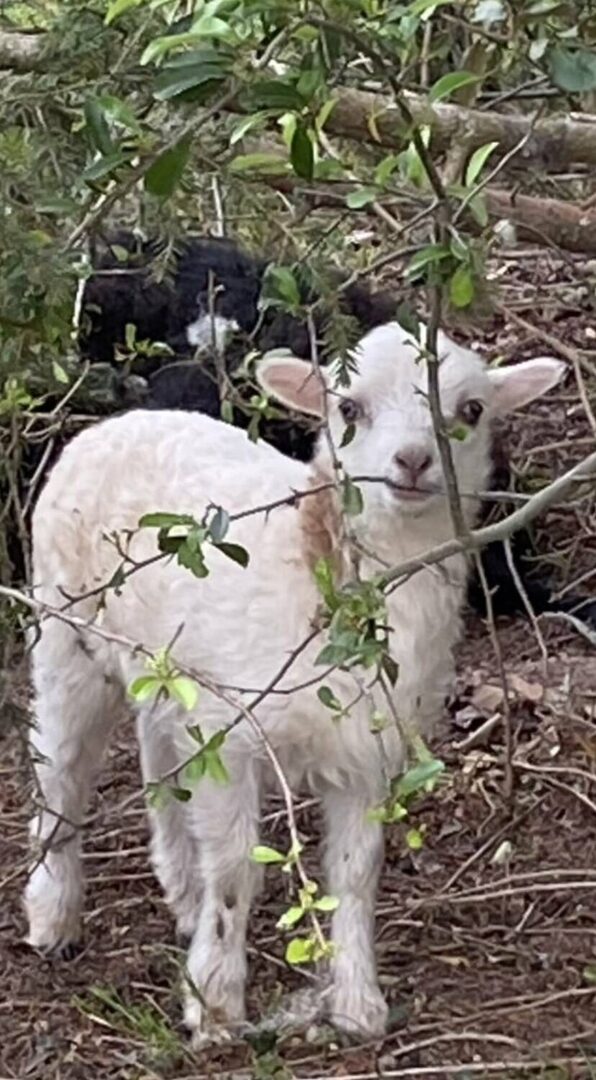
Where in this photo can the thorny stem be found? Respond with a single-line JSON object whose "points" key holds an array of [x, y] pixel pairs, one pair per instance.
{"points": [[442, 214], [507, 732], [433, 362], [499, 530], [346, 541], [475, 539], [519, 585]]}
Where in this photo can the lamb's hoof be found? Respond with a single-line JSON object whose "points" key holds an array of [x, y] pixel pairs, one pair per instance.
{"points": [[62, 950], [359, 1011], [212, 1036], [213, 1026]]}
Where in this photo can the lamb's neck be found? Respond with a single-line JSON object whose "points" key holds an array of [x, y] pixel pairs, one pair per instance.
{"points": [[395, 537]]}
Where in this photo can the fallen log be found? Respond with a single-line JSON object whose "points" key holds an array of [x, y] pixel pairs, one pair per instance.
{"points": [[553, 141], [370, 117], [544, 221], [550, 221], [21, 51]]}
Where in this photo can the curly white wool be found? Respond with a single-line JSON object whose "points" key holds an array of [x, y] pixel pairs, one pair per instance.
{"points": [[239, 626]]}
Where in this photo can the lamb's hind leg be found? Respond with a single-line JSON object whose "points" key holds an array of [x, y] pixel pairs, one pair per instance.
{"points": [[75, 710], [226, 822], [353, 856], [174, 850]]}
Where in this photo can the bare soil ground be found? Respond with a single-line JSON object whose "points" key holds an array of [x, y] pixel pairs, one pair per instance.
{"points": [[486, 937]]}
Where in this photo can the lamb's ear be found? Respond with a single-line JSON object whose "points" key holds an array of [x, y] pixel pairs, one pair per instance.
{"points": [[293, 382], [519, 384]]}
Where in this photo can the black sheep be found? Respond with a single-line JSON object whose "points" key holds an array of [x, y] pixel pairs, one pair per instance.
{"points": [[214, 284]]}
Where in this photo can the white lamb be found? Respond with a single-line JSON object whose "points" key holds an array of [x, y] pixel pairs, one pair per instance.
{"points": [[238, 626]]}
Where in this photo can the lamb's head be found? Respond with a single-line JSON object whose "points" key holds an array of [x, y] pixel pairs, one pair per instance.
{"points": [[387, 405]]}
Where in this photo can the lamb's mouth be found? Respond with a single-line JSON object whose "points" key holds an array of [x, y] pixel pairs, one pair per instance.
{"points": [[409, 494]]}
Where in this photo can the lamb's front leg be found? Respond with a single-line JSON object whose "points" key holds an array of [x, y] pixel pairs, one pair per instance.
{"points": [[225, 821], [354, 853]]}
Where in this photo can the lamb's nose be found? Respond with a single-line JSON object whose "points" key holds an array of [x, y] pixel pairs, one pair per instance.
{"points": [[414, 460]]}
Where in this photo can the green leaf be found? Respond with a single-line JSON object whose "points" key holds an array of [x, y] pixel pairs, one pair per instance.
{"points": [[461, 287], [426, 8], [163, 177], [332, 655], [143, 688], [328, 698], [408, 319], [209, 26], [130, 333], [195, 733], [478, 161], [327, 903], [573, 70], [166, 43], [181, 794], [118, 7], [363, 196], [157, 794], [264, 164], [280, 284], [433, 253], [59, 373], [234, 552], [187, 83], [219, 525], [459, 432], [459, 249], [192, 559], [248, 123], [299, 951], [385, 168], [263, 854], [227, 412], [275, 94], [309, 82], [302, 153], [348, 435], [420, 777], [477, 207], [164, 520], [194, 770], [415, 839], [105, 166], [378, 722], [98, 128], [324, 113], [215, 767], [185, 691], [448, 84], [351, 498], [411, 162], [119, 112], [216, 741], [290, 918]]}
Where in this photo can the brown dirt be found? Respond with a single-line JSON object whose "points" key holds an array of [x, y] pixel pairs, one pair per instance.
{"points": [[486, 937]]}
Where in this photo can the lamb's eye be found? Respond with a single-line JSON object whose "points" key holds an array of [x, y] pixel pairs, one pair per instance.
{"points": [[471, 411], [351, 410]]}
